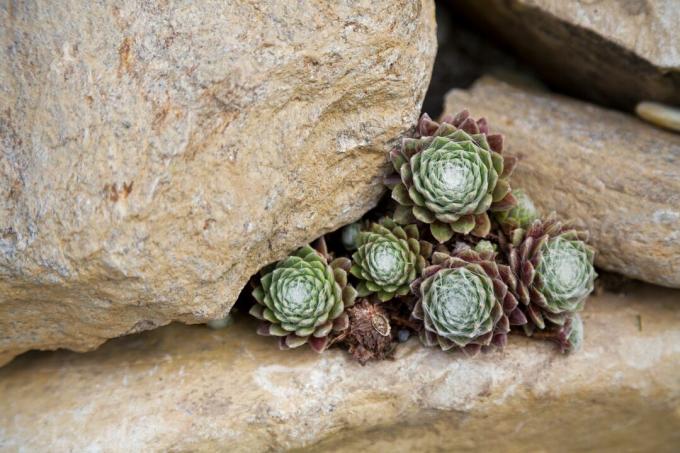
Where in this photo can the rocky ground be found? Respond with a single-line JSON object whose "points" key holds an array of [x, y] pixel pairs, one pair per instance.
{"points": [[178, 151], [190, 388], [153, 156]]}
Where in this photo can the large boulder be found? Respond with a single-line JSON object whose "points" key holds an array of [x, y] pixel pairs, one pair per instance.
{"points": [[611, 51], [611, 172], [155, 155], [187, 388]]}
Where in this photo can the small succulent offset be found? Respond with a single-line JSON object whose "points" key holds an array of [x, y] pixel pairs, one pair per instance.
{"points": [[554, 266], [465, 301], [569, 337], [388, 259], [303, 298], [519, 216], [450, 175]]}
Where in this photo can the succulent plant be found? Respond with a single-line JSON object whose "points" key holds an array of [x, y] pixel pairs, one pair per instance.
{"points": [[554, 266], [388, 258], [465, 301], [570, 335], [450, 175], [349, 236], [303, 298], [486, 247], [519, 216]]}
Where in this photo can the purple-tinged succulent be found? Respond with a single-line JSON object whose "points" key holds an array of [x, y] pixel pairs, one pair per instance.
{"points": [[450, 176], [554, 269], [465, 301]]}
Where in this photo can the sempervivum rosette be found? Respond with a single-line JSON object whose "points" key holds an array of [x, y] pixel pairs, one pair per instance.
{"points": [[554, 266], [450, 175], [465, 301], [303, 298], [520, 216], [388, 259]]}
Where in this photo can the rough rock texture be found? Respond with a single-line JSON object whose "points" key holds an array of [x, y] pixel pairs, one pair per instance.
{"points": [[615, 174], [189, 388], [617, 52], [155, 154]]}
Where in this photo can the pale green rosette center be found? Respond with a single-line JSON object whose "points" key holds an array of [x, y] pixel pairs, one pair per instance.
{"points": [[301, 296], [458, 304], [388, 262], [451, 176], [566, 273]]}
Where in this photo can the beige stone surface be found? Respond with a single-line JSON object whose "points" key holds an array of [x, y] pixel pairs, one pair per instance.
{"points": [[613, 173], [154, 155], [615, 51], [190, 388]]}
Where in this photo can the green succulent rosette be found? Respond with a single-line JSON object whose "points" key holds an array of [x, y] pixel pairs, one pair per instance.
{"points": [[465, 301], [521, 215], [451, 176], [388, 258], [554, 266], [303, 298]]}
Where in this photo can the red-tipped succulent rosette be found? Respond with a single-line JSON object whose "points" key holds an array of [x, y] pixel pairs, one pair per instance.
{"points": [[450, 176]]}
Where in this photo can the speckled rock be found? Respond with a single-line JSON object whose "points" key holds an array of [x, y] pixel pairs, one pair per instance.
{"points": [[616, 52], [154, 155], [611, 172], [190, 388]]}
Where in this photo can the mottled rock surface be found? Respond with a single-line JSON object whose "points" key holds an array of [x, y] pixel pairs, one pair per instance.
{"points": [[616, 52], [189, 388], [154, 155], [612, 172]]}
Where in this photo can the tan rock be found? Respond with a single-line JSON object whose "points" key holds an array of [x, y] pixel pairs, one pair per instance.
{"points": [[611, 51], [190, 388], [616, 175], [155, 155]]}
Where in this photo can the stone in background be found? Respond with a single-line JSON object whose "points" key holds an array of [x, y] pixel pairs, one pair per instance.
{"points": [[613, 173], [189, 388], [154, 155], [612, 52], [463, 55]]}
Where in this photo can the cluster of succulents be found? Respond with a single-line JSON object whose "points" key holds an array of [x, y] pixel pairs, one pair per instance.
{"points": [[459, 258]]}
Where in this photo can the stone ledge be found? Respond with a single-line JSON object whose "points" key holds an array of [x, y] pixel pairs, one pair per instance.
{"points": [[191, 388]]}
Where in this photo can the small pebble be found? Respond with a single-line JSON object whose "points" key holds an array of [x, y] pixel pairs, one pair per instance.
{"points": [[403, 335], [659, 115]]}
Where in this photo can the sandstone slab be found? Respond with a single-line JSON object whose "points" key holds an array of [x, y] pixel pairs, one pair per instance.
{"points": [[613, 173], [614, 52], [154, 155], [190, 388]]}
